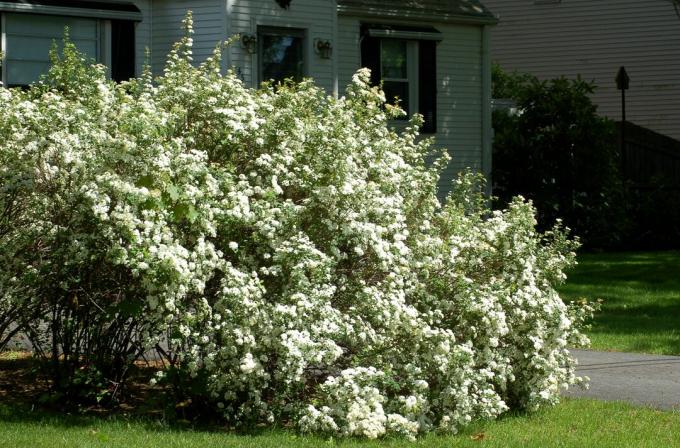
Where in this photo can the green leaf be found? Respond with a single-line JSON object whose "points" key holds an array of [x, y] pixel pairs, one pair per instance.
{"points": [[173, 192], [130, 308], [149, 204], [192, 214], [145, 181], [185, 211]]}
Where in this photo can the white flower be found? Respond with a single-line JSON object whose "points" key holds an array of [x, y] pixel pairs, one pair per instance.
{"points": [[248, 364], [275, 185]]}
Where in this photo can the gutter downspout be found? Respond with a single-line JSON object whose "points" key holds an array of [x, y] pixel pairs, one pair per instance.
{"points": [[487, 129]]}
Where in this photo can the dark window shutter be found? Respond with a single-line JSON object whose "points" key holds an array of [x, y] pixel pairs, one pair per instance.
{"points": [[427, 88], [122, 50], [370, 56]]}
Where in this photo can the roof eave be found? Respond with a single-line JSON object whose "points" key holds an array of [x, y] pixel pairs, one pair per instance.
{"points": [[99, 13], [416, 16]]}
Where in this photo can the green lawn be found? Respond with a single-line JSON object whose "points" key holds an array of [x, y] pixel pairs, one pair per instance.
{"points": [[575, 423], [641, 294]]}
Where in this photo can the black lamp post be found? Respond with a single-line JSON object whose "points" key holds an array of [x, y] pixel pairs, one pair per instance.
{"points": [[622, 82]]}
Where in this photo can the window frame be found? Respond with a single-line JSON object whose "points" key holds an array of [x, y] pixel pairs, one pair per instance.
{"points": [[278, 30], [412, 78], [102, 52], [424, 68], [103, 44]]}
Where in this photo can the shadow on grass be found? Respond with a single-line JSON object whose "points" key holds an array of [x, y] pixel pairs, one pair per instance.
{"points": [[659, 271], [26, 397], [641, 298], [35, 416], [257, 436], [24, 411]]}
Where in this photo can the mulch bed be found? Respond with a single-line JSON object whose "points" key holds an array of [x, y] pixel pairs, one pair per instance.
{"points": [[24, 383]]}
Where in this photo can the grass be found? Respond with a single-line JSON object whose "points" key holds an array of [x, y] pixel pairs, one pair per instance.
{"points": [[641, 294], [575, 423]]}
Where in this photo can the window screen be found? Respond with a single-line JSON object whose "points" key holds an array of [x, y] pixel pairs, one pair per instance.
{"points": [[29, 39]]}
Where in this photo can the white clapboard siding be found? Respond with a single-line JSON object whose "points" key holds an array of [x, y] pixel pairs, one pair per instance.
{"points": [[143, 34], [459, 89], [209, 25], [347, 48], [594, 38], [459, 100], [316, 17]]}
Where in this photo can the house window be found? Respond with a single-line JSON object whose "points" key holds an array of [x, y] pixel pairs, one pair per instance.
{"points": [[403, 60], [28, 39], [399, 69], [102, 31], [281, 53], [122, 50]]}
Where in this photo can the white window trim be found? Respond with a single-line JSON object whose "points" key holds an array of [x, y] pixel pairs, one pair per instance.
{"points": [[70, 11], [405, 35]]}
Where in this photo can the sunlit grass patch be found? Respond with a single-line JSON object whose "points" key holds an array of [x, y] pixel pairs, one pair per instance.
{"points": [[641, 299], [574, 423]]}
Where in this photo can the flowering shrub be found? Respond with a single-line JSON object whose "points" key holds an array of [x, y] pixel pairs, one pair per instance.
{"points": [[15, 308], [285, 250], [57, 138]]}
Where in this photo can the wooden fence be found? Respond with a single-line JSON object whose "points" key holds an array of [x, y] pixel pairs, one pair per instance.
{"points": [[652, 160]]}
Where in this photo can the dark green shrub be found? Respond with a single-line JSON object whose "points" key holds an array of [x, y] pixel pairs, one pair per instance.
{"points": [[656, 216], [555, 150]]}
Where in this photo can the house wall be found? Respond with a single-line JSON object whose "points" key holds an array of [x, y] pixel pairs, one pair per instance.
{"points": [[142, 34], [460, 64], [217, 20], [318, 17], [593, 39], [459, 90], [209, 24]]}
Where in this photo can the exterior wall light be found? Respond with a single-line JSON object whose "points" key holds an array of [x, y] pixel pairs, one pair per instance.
{"points": [[323, 48], [249, 42]]}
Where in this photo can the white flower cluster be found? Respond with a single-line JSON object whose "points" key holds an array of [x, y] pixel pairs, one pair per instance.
{"points": [[293, 248]]}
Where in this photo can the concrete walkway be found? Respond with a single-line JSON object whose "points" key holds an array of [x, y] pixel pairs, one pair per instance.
{"points": [[651, 380]]}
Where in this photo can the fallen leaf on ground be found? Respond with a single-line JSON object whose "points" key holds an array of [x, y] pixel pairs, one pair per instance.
{"points": [[478, 437]]}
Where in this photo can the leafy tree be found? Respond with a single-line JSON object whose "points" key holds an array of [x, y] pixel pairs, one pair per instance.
{"points": [[554, 149]]}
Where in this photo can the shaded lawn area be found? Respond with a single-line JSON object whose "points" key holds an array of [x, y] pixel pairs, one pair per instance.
{"points": [[574, 423], [641, 294]]}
